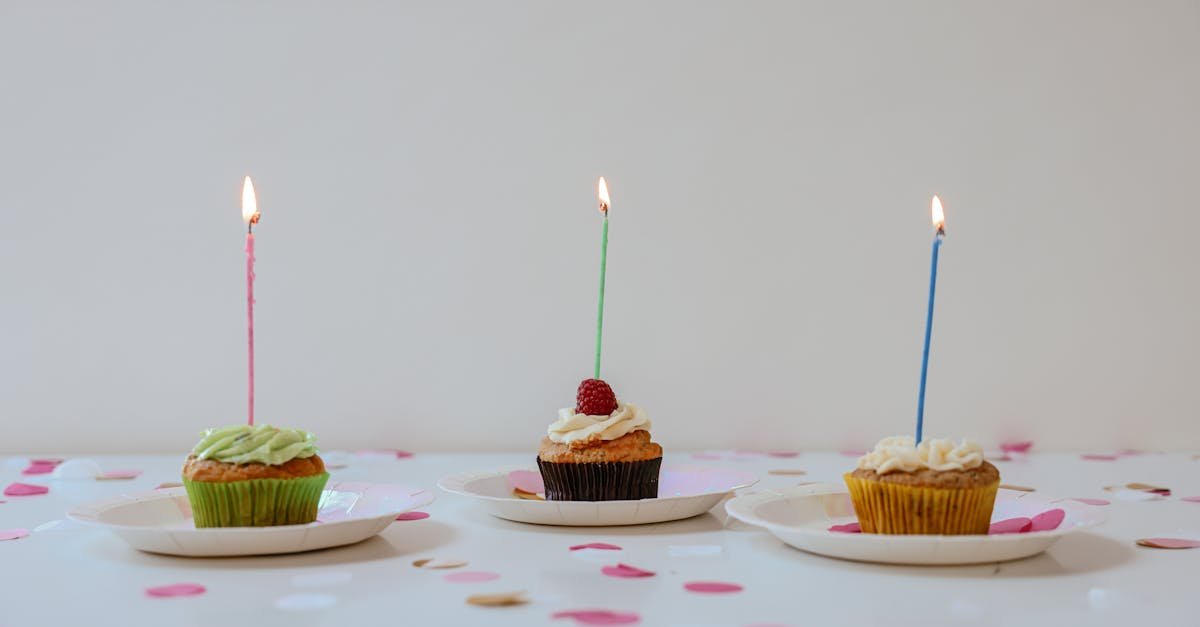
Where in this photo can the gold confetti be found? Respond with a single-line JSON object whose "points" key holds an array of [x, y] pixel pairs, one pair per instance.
{"points": [[1018, 488], [1140, 487], [502, 599], [787, 471], [528, 496], [169, 484], [431, 563]]}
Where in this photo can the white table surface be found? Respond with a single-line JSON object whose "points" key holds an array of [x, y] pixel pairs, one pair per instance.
{"points": [[73, 575]]}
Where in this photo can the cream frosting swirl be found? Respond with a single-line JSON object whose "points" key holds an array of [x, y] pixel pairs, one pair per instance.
{"points": [[902, 454], [575, 427], [263, 444]]}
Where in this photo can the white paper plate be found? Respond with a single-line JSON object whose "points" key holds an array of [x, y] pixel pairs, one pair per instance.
{"points": [[161, 521], [802, 516], [683, 492]]}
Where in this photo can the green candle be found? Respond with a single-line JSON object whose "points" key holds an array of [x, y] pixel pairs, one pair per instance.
{"points": [[602, 192]]}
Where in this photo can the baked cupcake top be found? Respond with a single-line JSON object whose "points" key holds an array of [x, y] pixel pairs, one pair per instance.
{"points": [[597, 415], [902, 454], [261, 444]]}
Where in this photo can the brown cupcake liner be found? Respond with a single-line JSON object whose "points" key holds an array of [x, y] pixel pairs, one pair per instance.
{"points": [[890, 508], [601, 481]]}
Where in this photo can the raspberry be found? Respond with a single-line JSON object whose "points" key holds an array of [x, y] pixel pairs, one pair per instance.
{"points": [[595, 398]]}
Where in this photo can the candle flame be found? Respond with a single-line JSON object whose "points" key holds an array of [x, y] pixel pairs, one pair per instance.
{"points": [[602, 193], [939, 216], [250, 213]]}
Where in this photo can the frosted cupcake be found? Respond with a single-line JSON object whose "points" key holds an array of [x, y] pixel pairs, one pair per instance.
{"points": [[938, 488], [254, 476], [600, 450]]}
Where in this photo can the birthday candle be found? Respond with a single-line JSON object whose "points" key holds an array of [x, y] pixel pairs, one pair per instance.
{"points": [[602, 193], [250, 216], [939, 225]]}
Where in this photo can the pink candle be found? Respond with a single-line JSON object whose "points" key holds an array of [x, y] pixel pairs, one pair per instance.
{"points": [[250, 215]]}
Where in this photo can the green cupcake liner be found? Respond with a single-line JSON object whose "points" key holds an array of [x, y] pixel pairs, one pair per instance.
{"points": [[255, 502]]}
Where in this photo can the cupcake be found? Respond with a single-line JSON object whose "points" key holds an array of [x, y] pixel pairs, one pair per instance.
{"points": [[254, 476], [937, 487], [600, 450]]}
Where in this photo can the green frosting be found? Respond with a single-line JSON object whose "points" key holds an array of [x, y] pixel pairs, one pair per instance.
{"points": [[263, 444]]}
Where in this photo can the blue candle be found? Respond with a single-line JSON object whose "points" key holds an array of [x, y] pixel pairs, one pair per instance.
{"points": [[939, 223]]}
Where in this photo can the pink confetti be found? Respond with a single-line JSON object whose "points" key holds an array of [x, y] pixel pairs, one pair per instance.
{"points": [[783, 453], [846, 528], [25, 489], [412, 516], [711, 587], [1017, 447], [707, 456], [471, 577], [853, 453], [625, 570], [41, 466], [13, 534], [123, 473], [1189, 499], [176, 590], [1089, 501], [1169, 543], [1010, 525], [527, 481], [403, 454], [1048, 520], [1098, 457], [603, 546], [598, 617]]}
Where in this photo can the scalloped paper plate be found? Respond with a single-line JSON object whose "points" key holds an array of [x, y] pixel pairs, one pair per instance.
{"points": [[161, 521], [801, 517], [683, 491]]}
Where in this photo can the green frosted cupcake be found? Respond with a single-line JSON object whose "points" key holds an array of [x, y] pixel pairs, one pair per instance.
{"points": [[254, 476]]}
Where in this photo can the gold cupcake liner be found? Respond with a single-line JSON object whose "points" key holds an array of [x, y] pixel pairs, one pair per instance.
{"points": [[904, 509]]}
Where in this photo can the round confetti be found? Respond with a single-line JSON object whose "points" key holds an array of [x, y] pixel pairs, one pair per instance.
{"points": [[712, 587], [176, 590], [412, 516], [626, 571], [471, 577]]}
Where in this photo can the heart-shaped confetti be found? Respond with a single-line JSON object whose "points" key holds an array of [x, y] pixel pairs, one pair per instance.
{"points": [[1099, 457], [412, 516], [116, 475], [41, 466], [529, 481], [1169, 543], [846, 528], [1018, 488], [1048, 520], [626, 571], [503, 599], [603, 546], [1010, 525], [176, 590], [13, 534], [471, 577], [712, 587], [25, 489], [439, 564], [598, 617], [1016, 447], [1090, 501], [787, 471]]}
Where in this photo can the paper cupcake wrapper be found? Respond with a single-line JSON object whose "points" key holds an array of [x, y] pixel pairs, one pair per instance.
{"points": [[903, 509], [601, 481], [255, 502]]}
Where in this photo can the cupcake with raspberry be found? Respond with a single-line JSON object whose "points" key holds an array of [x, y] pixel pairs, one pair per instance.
{"points": [[600, 450], [938, 487], [254, 476]]}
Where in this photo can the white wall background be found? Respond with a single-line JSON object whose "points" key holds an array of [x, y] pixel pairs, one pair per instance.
{"points": [[428, 250]]}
